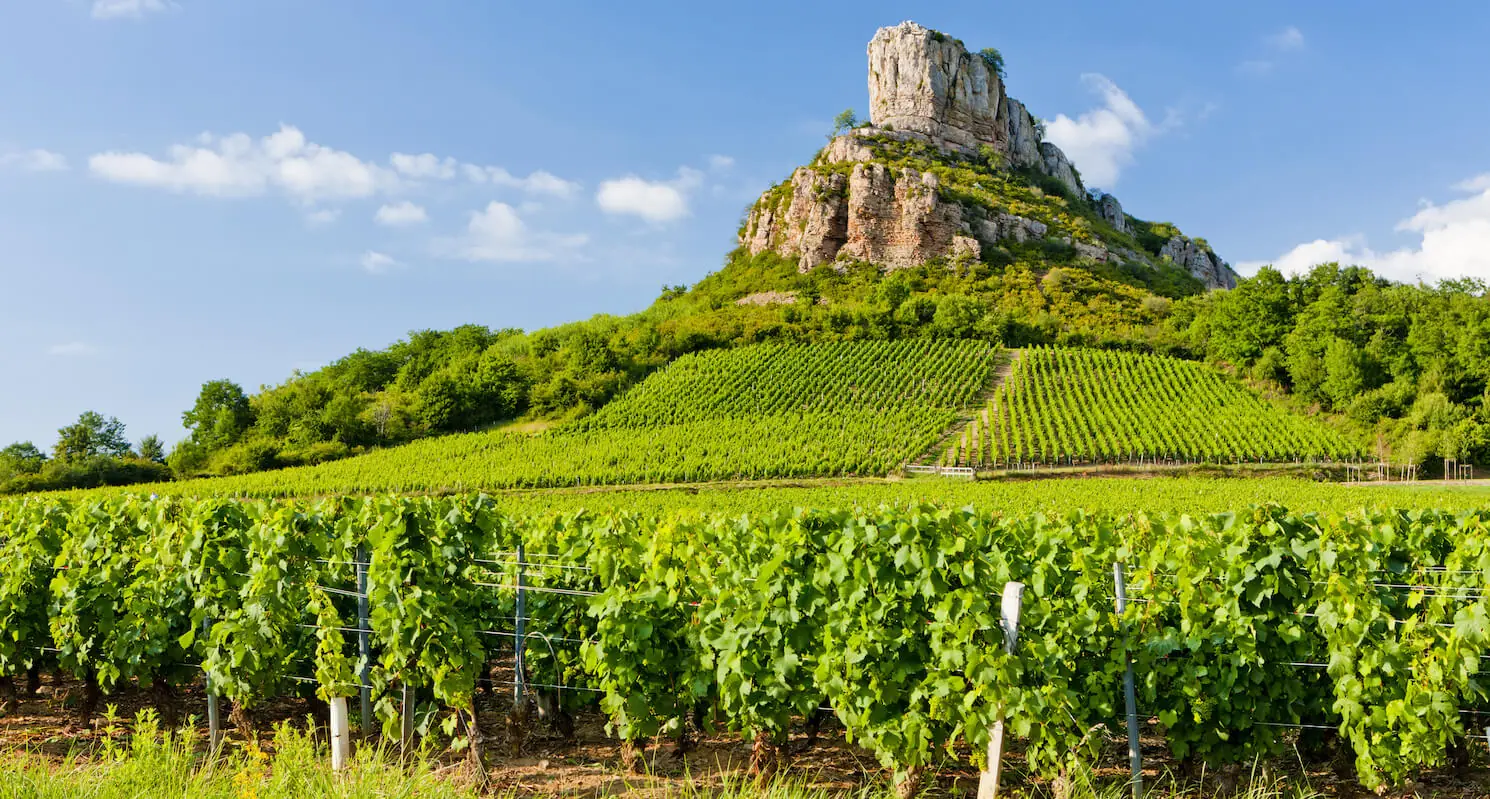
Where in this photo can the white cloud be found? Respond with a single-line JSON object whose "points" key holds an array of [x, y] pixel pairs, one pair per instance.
{"points": [[1306, 256], [72, 349], [1290, 38], [401, 214], [322, 216], [133, 9], [1101, 141], [498, 234], [378, 263], [34, 161], [539, 182], [425, 166], [654, 201], [431, 167], [238, 166], [720, 163], [1474, 184], [1454, 242]]}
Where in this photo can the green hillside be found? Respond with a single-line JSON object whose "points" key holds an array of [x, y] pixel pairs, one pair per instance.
{"points": [[774, 411], [1064, 406], [841, 409]]}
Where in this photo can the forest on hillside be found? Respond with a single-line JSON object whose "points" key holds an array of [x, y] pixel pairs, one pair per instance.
{"points": [[1405, 368]]}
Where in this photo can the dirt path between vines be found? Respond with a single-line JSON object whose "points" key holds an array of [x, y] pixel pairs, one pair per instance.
{"points": [[965, 417]]}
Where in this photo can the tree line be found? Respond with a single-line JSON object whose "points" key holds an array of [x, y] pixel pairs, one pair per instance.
{"points": [[91, 452]]}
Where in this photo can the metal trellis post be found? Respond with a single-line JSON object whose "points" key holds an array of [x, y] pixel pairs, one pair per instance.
{"points": [[1135, 755], [406, 721], [214, 716], [364, 643], [518, 663]]}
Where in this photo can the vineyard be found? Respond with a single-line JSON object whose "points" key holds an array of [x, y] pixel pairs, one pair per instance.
{"points": [[767, 411], [1053, 497], [1248, 631], [1079, 406]]}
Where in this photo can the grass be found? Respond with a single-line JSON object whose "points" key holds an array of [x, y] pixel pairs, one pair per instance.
{"points": [[155, 763], [151, 762]]}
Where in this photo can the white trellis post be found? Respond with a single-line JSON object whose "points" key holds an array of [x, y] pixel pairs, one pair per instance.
{"points": [[988, 782], [341, 734]]}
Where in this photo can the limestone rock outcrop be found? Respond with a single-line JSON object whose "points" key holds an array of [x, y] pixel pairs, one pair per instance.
{"points": [[1060, 168], [925, 88], [1112, 211], [895, 218], [811, 224], [1001, 226], [925, 82], [768, 298], [1200, 261], [898, 219], [1024, 138]]}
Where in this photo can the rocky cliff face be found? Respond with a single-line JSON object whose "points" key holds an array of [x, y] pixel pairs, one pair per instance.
{"points": [[926, 89], [1200, 261], [875, 213], [923, 82], [927, 84]]}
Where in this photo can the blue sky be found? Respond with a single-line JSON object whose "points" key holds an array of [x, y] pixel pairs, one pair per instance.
{"points": [[197, 189]]}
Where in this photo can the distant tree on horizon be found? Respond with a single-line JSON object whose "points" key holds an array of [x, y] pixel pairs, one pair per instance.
{"points": [[92, 435]]}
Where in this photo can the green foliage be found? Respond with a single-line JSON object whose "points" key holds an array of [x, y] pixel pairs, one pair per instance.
{"points": [[151, 448], [1091, 405], [644, 653], [1224, 592], [91, 436], [995, 61], [29, 540], [1403, 363], [890, 613], [421, 585], [845, 121], [20, 458], [253, 640], [762, 627], [221, 415], [749, 413]]}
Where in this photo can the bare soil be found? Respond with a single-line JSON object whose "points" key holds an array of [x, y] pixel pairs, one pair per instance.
{"points": [[590, 765]]}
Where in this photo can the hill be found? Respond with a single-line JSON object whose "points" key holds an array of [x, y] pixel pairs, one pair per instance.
{"points": [[843, 409], [771, 411]]}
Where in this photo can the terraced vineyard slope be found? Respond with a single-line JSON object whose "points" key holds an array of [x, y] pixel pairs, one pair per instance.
{"points": [[768, 411], [1070, 406]]}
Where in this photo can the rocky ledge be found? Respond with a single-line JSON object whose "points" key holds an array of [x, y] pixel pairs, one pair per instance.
{"points": [[927, 90]]}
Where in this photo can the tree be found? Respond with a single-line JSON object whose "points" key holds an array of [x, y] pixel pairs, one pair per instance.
{"points": [[21, 457], [91, 436], [221, 416], [956, 316], [845, 121], [152, 449], [995, 61], [1250, 318], [1345, 373]]}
